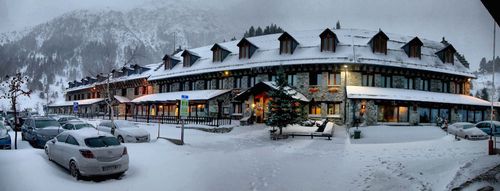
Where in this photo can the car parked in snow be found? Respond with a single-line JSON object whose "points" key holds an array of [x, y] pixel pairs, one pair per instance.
{"points": [[125, 131], [467, 131], [88, 152], [485, 127], [64, 119], [5, 141], [76, 124], [38, 130]]}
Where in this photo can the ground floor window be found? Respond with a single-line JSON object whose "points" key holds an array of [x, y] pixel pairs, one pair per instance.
{"points": [[393, 113], [315, 108], [333, 108], [237, 108]]}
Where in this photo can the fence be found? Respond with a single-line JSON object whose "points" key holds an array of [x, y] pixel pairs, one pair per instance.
{"points": [[210, 121]]}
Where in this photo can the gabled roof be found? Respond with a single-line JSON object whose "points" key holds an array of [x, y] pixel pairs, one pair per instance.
{"points": [[245, 41], [266, 86], [415, 41], [216, 45], [285, 36], [167, 56], [449, 46], [191, 53], [330, 32], [381, 34]]}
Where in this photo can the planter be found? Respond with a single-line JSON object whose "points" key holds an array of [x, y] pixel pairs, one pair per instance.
{"points": [[314, 89]]}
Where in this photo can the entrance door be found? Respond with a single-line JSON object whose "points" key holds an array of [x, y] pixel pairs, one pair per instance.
{"points": [[261, 107]]}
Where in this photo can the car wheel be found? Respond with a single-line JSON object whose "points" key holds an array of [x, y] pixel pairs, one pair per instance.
{"points": [[466, 137], [118, 175], [73, 169], [22, 137], [47, 153], [120, 138]]}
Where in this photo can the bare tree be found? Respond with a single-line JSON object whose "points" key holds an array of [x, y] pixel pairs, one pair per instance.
{"points": [[14, 90]]}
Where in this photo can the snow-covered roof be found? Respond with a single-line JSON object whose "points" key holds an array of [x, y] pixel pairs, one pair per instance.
{"points": [[122, 99], [362, 92], [172, 96], [290, 91], [80, 102], [151, 68], [84, 133], [353, 48]]}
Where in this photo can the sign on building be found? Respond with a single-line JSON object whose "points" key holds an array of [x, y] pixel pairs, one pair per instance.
{"points": [[75, 107], [184, 106]]}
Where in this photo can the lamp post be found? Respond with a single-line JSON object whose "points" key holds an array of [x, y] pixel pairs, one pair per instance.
{"points": [[345, 94], [491, 146]]}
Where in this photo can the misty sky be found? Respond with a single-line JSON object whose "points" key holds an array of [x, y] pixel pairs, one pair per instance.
{"points": [[465, 23]]}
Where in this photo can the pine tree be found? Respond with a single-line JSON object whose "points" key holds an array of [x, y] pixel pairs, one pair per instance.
{"points": [[337, 26], [283, 108], [258, 32], [251, 31]]}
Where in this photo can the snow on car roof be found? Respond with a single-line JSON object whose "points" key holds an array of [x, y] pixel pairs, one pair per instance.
{"points": [[84, 133]]}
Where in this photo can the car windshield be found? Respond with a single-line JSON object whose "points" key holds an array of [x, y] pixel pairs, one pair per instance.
{"points": [[122, 124], [102, 141], [467, 126], [71, 118], [83, 125], [45, 123]]}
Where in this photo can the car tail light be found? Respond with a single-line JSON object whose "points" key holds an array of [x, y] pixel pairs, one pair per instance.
{"points": [[87, 154], [125, 151]]}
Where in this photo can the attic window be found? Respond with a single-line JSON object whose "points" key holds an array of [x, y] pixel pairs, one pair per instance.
{"points": [[245, 51], [168, 64], [217, 55], [286, 47], [448, 56], [380, 45], [328, 40], [414, 51], [187, 61]]}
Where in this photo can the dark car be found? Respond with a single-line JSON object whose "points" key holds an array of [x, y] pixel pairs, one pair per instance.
{"points": [[38, 130], [5, 141], [485, 127]]}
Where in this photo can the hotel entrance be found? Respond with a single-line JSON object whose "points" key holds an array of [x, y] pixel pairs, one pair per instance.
{"points": [[261, 107]]}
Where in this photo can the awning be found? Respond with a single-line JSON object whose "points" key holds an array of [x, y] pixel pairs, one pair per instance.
{"points": [[361, 92], [80, 102], [122, 99], [266, 86], [198, 95]]}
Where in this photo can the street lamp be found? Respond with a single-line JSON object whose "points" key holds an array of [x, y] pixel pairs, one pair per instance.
{"points": [[345, 94]]}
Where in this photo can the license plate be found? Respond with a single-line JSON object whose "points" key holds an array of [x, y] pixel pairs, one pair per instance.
{"points": [[108, 168]]}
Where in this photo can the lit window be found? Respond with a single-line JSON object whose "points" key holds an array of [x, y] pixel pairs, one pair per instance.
{"points": [[315, 108], [333, 108], [333, 79]]}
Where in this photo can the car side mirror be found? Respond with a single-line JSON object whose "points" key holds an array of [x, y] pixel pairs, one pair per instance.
{"points": [[53, 141]]}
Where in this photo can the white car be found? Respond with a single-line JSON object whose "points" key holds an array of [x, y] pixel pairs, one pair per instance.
{"points": [[125, 131], [467, 131], [88, 152]]}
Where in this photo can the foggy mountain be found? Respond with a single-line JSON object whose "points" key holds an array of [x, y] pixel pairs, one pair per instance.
{"points": [[87, 42]]}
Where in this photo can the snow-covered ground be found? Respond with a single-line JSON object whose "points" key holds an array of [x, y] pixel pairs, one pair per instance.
{"points": [[246, 159]]}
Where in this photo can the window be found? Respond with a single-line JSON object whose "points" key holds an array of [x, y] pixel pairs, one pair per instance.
{"points": [[425, 115], [124, 92], [237, 108], [144, 90], [251, 81], [98, 94], [88, 96], [272, 77], [237, 82], [333, 108], [315, 108], [367, 80], [71, 140], [187, 60], [333, 79], [62, 137], [136, 91], [168, 64], [208, 84], [181, 86], [220, 84], [244, 51], [327, 43], [217, 55], [286, 47], [315, 78], [411, 83], [387, 81], [392, 113], [291, 79], [448, 57], [379, 45], [445, 86], [191, 85], [424, 85], [414, 51]]}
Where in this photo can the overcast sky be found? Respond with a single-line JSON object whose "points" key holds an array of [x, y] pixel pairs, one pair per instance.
{"points": [[465, 23]]}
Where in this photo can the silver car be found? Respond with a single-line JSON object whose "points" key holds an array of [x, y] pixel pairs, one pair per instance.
{"points": [[467, 131], [88, 152], [125, 131]]}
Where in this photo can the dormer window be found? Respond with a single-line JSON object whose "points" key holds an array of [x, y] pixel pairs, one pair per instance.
{"points": [[169, 62], [287, 43], [329, 40], [189, 58], [219, 53], [447, 54], [413, 48], [246, 49], [379, 43]]}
